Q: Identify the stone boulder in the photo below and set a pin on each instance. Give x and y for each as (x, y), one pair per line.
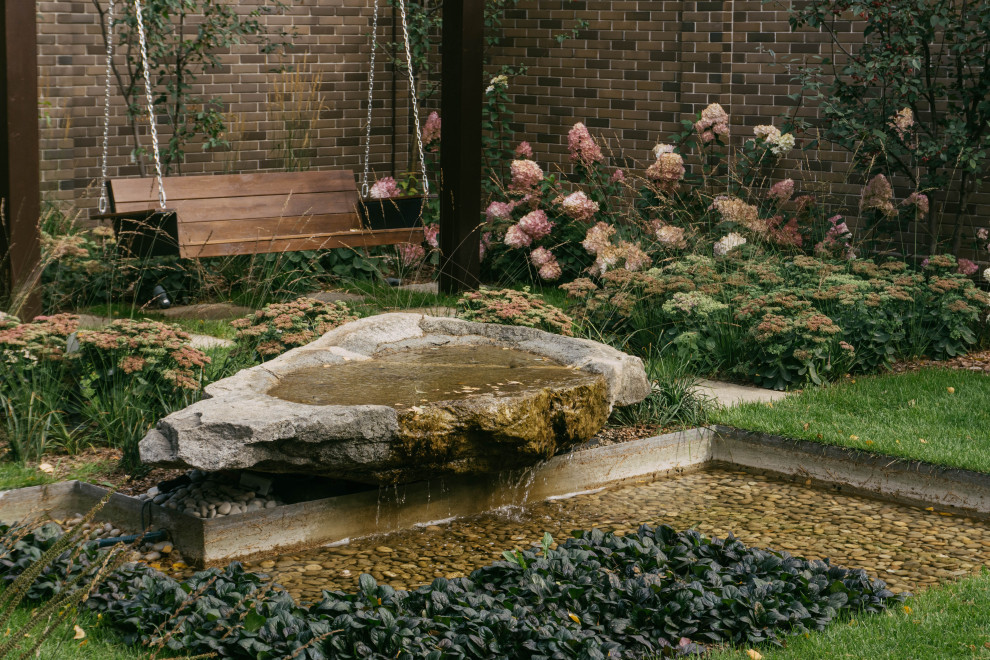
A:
(398, 398)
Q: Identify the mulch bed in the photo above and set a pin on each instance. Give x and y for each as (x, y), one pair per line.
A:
(973, 362)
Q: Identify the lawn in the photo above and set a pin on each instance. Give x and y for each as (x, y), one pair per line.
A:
(936, 415)
(99, 643)
(951, 621)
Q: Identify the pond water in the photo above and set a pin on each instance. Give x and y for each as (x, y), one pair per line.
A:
(403, 379)
(908, 547)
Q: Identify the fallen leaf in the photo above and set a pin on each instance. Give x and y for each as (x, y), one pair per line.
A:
(854, 437)
(80, 633)
(574, 617)
(950, 390)
(47, 468)
(922, 441)
(753, 654)
(907, 610)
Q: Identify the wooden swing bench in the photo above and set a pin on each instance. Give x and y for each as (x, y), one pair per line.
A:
(231, 214)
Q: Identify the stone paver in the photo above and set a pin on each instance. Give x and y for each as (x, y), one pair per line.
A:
(205, 311)
(335, 296)
(730, 394)
(422, 287)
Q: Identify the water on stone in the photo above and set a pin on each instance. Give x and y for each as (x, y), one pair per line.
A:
(403, 379)
(908, 547)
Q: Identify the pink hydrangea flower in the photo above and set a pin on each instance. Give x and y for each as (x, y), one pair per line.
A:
(667, 171)
(634, 256)
(550, 271)
(919, 201)
(598, 238)
(499, 211)
(579, 207)
(982, 234)
(483, 244)
(669, 235)
(902, 122)
(526, 175)
(432, 234)
(384, 188)
(714, 121)
(781, 191)
(618, 176)
(541, 256)
(967, 267)
(431, 132)
(524, 150)
(536, 224)
(515, 237)
(411, 253)
(582, 146)
(877, 194)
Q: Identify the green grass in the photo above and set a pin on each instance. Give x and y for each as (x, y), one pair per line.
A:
(16, 475)
(911, 415)
(951, 621)
(100, 642)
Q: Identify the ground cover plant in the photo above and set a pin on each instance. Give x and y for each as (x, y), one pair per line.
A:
(934, 415)
(783, 321)
(938, 623)
(278, 327)
(513, 307)
(594, 595)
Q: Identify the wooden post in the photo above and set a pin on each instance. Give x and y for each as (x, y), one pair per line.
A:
(460, 143)
(20, 187)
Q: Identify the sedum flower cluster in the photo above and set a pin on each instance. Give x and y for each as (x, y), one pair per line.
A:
(276, 328)
(512, 307)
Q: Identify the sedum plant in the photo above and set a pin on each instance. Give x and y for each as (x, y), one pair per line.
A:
(512, 307)
(278, 327)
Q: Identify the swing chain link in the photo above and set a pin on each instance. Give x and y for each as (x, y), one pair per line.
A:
(150, 100)
(371, 95)
(414, 98)
(104, 198)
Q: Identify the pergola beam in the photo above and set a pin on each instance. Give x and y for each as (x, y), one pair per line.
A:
(20, 187)
(460, 143)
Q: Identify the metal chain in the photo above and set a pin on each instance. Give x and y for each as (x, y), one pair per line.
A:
(371, 94)
(151, 103)
(104, 198)
(415, 100)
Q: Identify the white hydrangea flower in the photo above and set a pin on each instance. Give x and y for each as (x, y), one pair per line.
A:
(986, 274)
(782, 145)
(661, 149)
(728, 242)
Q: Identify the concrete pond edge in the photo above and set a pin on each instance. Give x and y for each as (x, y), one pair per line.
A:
(380, 511)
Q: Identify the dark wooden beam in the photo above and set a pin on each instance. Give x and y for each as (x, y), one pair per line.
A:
(20, 187)
(460, 143)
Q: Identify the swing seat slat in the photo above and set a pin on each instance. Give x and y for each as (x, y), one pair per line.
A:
(230, 214)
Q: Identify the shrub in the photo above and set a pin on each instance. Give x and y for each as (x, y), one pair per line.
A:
(512, 307)
(594, 596)
(278, 327)
(783, 321)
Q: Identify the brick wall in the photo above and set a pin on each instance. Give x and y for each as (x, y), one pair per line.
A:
(631, 76)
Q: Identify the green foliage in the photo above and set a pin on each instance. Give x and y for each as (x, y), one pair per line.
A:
(925, 60)
(674, 398)
(184, 40)
(783, 321)
(279, 327)
(512, 307)
(594, 595)
(110, 385)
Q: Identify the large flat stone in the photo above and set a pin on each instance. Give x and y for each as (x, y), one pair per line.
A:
(457, 429)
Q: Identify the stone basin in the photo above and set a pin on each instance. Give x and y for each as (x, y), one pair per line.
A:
(397, 398)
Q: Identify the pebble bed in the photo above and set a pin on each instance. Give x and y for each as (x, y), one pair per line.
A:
(209, 496)
(151, 553)
(910, 548)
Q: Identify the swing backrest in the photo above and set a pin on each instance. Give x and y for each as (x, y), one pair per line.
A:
(230, 214)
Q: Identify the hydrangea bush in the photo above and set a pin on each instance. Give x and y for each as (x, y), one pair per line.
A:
(512, 307)
(279, 327)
